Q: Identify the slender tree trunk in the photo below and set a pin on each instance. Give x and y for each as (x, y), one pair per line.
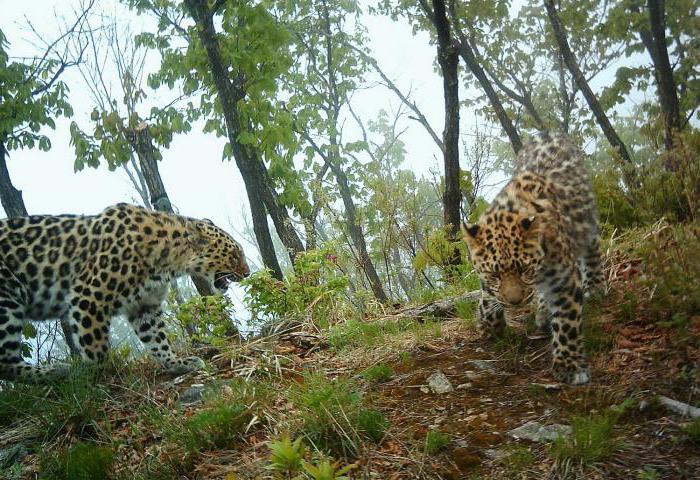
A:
(449, 63)
(13, 204)
(668, 96)
(628, 169)
(12, 201)
(356, 235)
(229, 94)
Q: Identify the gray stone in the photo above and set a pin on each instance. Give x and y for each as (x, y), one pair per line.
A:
(439, 383)
(483, 365)
(536, 432)
(13, 453)
(192, 395)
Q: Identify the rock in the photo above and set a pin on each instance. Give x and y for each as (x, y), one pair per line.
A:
(463, 386)
(439, 383)
(12, 454)
(496, 453)
(483, 365)
(192, 395)
(536, 432)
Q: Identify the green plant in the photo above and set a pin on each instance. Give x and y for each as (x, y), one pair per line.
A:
(72, 401)
(648, 473)
(209, 318)
(436, 441)
(354, 333)
(313, 291)
(82, 461)
(591, 438)
(381, 372)
(692, 430)
(324, 469)
(333, 414)
(517, 457)
(286, 456)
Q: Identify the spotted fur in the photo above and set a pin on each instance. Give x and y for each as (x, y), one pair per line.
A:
(87, 269)
(539, 240)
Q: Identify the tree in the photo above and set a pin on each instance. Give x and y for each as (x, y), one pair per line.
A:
(32, 95)
(628, 166)
(321, 84)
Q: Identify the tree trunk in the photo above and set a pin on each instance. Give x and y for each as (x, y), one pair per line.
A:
(356, 235)
(628, 168)
(11, 197)
(229, 94)
(449, 62)
(668, 96)
(14, 206)
(465, 51)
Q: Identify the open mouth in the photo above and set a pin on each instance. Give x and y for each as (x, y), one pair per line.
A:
(222, 280)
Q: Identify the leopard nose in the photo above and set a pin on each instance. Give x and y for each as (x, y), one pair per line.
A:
(513, 294)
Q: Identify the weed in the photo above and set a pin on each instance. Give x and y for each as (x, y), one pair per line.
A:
(692, 430)
(591, 438)
(355, 333)
(517, 457)
(333, 415)
(72, 402)
(436, 441)
(324, 469)
(82, 461)
(406, 359)
(286, 456)
(648, 473)
(380, 372)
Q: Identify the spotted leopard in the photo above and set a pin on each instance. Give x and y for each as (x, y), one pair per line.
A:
(539, 238)
(87, 269)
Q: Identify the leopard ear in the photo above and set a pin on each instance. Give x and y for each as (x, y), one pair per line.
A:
(196, 233)
(471, 229)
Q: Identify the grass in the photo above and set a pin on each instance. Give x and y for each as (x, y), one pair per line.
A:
(517, 458)
(692, 430)
(354, 333)
(591, 439)
(82, 461)
(436, 441)
(333, 414)
(71, 403)
(378, 373)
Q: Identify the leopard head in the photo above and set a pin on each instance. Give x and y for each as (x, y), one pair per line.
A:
(506, 250)
(218, 257)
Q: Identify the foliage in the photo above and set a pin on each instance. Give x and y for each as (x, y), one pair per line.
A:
(208, 317)
(692, 430)
(81, 461)
(325, 469)
(354, 333)
(286, 456)
(333, 414)
(381, 372)
(30, 98)
(71, 403)
(591, 438)
(313, 291)
(436, 441)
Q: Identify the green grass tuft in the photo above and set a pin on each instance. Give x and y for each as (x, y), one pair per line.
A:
(82, 461)
(591, 439)
(380, 372)
(436, 441)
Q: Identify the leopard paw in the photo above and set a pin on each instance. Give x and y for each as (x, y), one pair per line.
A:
(573, 371)
(186, 365)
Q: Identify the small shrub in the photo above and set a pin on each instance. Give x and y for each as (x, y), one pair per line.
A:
(209, 318)
(286, 456)
(517, 457)
(692, 430)
(380, 372)
(82, 461)
(324, 469)
(436, 441)
(591, 438)
(333, 415)
(313, 291)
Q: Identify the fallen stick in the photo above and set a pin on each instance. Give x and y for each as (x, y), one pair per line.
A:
(679, 407)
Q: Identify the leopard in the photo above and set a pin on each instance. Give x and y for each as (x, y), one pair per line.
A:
(88, 269)
(539, 242)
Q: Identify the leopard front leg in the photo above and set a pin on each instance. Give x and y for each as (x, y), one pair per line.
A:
(491, 319)
(149, 326)
(562, 292)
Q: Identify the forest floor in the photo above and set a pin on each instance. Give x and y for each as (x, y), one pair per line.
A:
(219, 424)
